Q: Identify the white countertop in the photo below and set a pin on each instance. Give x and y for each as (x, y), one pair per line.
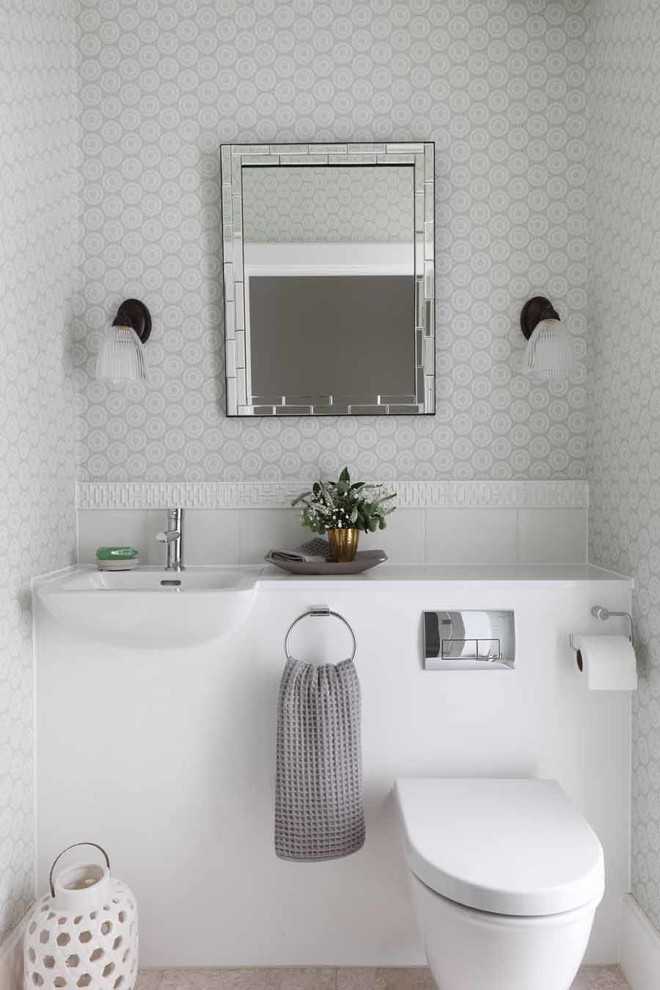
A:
(384, 575)
(451, 573)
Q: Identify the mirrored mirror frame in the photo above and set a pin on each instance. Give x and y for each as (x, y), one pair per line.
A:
(236, 157)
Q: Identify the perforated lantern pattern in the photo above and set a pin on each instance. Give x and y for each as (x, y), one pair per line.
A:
(74, 949)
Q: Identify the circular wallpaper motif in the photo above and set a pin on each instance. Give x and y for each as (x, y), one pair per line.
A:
(38, 188)
(498, 86)
(624, 442)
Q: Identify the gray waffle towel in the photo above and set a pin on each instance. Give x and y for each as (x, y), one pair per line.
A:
(319, 813)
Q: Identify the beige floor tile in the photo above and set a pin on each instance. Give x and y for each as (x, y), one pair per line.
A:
(419, 978)
(192, 979)
(149, 979)
(346, 978)
(263, 978)
(600, 978)
(390, 978)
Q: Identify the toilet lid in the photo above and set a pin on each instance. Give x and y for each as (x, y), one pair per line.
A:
(513, 846)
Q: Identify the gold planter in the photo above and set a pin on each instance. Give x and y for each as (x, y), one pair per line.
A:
(343, 544)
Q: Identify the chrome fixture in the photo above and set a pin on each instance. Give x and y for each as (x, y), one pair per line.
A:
(549, 351)
(319, 611)
(173, 537)
(121, 357)
(603, 614)
(469, 639)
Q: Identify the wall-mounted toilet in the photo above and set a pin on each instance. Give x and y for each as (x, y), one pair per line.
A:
(507, 876)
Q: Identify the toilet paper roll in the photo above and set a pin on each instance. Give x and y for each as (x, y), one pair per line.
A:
(608, 662)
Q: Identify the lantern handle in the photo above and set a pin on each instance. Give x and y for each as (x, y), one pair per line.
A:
(58, 858)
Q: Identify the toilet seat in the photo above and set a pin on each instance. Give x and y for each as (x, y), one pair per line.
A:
(505, 846)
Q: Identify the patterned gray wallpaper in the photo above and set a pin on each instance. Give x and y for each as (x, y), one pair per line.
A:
(38, 186)
(298, 204)
(624, 447)
(499, 87)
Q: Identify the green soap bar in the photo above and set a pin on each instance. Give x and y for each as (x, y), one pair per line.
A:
(116, 553)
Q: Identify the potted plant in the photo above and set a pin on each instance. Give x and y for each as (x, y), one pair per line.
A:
(343, 509)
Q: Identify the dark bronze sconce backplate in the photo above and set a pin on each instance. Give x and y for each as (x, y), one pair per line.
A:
(533, 312)
(133, 313)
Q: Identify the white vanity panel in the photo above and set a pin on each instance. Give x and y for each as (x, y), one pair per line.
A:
(167, 759)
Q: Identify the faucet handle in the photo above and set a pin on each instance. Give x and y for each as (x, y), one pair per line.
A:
(172, 534)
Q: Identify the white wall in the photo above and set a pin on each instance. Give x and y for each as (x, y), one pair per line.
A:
(38, 184)
(167, 759)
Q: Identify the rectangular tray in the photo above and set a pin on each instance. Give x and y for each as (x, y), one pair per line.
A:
(364, 560)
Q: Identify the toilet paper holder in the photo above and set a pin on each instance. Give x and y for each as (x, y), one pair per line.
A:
(603, 614)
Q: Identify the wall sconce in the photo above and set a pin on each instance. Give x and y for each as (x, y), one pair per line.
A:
(549, 351)
(121, 357)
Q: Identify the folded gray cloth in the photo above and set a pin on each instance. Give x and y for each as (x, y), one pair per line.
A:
(315, 551)
(319, 811)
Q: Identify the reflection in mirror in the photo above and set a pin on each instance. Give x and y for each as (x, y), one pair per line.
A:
(328, 263)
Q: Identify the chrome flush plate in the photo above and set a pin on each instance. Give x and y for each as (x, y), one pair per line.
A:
(469, 639)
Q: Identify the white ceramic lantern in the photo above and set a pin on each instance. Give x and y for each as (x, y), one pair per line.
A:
(83, 934)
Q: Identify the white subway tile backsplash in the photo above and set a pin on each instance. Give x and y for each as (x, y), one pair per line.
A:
(552, 536)
(402, 539)
(211, 536)
(121, 527)
(471, 536)
(449, 536)
(261, 530)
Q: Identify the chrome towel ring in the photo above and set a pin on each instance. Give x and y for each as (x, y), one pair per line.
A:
(315, 612)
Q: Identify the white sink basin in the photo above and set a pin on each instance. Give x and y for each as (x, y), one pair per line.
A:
(150, 607)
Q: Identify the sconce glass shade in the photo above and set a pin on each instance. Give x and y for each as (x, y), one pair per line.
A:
(549, 351)
(121, 357)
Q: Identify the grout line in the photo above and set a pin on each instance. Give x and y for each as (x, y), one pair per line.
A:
(586, 536)
(77, 518)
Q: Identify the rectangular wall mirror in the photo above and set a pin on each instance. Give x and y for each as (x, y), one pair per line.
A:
(329, 279)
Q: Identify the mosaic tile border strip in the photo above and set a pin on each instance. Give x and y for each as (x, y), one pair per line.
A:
(278, 495)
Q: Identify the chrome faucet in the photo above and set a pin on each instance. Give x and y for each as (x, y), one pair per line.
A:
(173, 537)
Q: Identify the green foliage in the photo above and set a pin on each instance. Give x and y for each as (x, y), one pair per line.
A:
(342, 504)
